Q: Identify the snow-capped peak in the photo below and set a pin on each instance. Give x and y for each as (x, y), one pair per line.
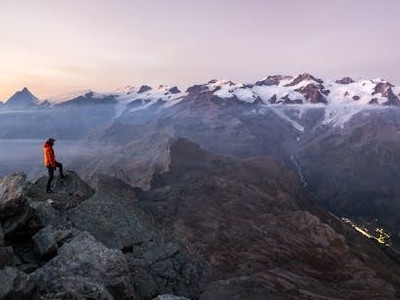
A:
(305, 89)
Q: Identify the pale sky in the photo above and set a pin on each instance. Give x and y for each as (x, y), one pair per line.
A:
(60, 46)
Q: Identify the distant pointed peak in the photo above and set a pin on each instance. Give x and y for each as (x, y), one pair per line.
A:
(22, 98)
(25, 90)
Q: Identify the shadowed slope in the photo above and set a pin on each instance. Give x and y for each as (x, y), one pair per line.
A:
(248, 219)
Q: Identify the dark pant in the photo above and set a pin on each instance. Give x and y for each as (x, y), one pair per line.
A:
(51, 174)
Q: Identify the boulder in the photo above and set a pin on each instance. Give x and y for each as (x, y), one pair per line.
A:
(240, 288)
(22, 223)
(160, 263)
(112, 216)
(11, 194)
(73, 287)
(162, 267)
(15, 285)
(5, 258)
(47, 215)
(67, 193)
(87, 259)
(170, 297)
(45, 242)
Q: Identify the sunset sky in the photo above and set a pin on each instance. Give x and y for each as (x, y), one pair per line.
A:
(59, 46)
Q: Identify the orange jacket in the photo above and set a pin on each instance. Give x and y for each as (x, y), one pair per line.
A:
(49, 157)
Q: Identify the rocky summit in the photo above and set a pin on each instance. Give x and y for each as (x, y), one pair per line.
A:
(210, 226)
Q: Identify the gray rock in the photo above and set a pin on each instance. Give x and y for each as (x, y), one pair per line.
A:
(163, 268)
(72, 185)
(170, 297)
(112, 220)
(45, 242)
(160, 252)
(68, 193)
(16, 215)
(146, 286)
(240, 288)
(73, 287)
(85, 257)
(15, 285)
(20, 221)
(48, 215)
(159, 265)
(11, 194)
(5, 258)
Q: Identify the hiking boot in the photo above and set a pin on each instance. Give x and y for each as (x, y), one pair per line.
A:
(62, 178)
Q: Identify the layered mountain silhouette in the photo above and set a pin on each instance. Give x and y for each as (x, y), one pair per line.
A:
(212, 227)
(227, 170)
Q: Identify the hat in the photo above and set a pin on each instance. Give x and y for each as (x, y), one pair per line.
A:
(50, 140)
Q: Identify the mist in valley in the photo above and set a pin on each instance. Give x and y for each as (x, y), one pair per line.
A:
(26, 155)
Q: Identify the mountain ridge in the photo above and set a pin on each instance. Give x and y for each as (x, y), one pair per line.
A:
(275, 89)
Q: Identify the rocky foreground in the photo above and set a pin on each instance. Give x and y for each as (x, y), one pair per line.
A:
(212, 227)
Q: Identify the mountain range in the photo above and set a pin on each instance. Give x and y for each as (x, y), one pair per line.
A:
(276, 89)
(334, 143)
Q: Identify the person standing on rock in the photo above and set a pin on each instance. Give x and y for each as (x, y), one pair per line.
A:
(51, 163)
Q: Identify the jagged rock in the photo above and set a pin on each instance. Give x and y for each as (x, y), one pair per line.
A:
(45, 242)
(47, 215)
(113, 216)
(85, 258)
(112, 220)
(73, 287)
(15, 285)
(11, 194)
(22, 223)
(74, 185)
(166, 268)
(239, 288)
(146, 286)
(5, 258)
(170, 297)
(67, 194)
